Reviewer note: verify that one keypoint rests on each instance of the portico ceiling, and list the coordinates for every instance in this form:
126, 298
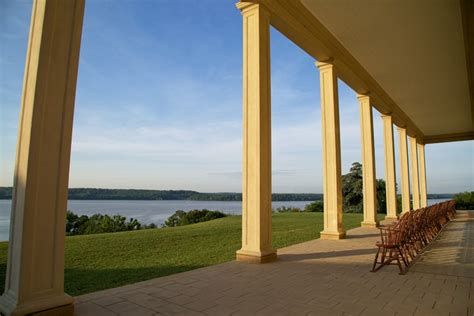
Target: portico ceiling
417, 51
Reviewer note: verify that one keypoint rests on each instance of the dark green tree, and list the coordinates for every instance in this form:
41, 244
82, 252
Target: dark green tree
464, 200
316, 206
352, 191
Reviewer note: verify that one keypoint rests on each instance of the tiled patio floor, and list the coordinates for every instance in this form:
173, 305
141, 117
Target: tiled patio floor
319, 277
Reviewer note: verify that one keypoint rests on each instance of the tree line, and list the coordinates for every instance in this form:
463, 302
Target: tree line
352, 192
137, 194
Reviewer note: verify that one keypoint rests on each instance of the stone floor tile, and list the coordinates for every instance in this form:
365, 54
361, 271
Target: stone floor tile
219, 310
200, 305
91, 309
147, 301
180, 299
108, 300
164, 293
173, 309
129, 308
430, 312
275, 310
377, 311
324, 312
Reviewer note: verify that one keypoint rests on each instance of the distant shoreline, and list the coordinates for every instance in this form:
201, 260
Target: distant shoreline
179, 195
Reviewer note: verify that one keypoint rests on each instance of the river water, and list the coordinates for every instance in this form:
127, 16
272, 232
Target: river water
146, 212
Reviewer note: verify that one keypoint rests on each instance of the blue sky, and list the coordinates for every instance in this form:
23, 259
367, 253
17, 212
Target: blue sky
159, 103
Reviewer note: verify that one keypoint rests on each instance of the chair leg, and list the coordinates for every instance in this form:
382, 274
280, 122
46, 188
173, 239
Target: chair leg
405, 261
398, 262
375, 261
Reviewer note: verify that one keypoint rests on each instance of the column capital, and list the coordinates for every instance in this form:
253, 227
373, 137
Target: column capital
249, 7
416, 139
363, 96
387, 119
328, 63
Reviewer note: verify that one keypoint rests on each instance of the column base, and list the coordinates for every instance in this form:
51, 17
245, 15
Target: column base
332, 235
256, 256
391, 218
52, 306
65, 310
369, 224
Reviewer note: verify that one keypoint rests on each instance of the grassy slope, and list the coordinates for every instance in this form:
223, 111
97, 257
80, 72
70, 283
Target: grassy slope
96, 262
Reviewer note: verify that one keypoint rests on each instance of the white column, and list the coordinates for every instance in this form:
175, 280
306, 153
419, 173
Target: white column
423, 191
404, 170
35, 268
257, 157
390, 178
368, 162
333, 228
415, 180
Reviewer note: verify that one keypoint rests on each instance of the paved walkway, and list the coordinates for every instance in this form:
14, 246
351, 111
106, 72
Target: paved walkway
319, 277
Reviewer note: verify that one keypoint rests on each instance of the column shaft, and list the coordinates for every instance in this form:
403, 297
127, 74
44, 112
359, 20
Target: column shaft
423, 191
415, 180
257, 181
368, 162
333, 228
35, 269
390, 178
404, 170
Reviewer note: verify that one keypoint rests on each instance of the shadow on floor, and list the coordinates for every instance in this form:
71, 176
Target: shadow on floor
376, 233
81, 281
330, 254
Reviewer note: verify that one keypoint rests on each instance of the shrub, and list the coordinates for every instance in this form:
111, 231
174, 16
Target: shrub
181, 218
464, 200
284, 209
354, 208
316, 206
98, 223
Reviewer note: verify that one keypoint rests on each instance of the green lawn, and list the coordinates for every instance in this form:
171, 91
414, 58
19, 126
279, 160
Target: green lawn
96, 262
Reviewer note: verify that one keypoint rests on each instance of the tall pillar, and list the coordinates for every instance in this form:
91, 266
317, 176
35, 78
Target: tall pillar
333, 228
404, 170
257, 157
369, 185
421, 157
415, 180
390, 179
35, 268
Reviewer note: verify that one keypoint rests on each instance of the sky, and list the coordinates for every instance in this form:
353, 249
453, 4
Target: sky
159, 103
